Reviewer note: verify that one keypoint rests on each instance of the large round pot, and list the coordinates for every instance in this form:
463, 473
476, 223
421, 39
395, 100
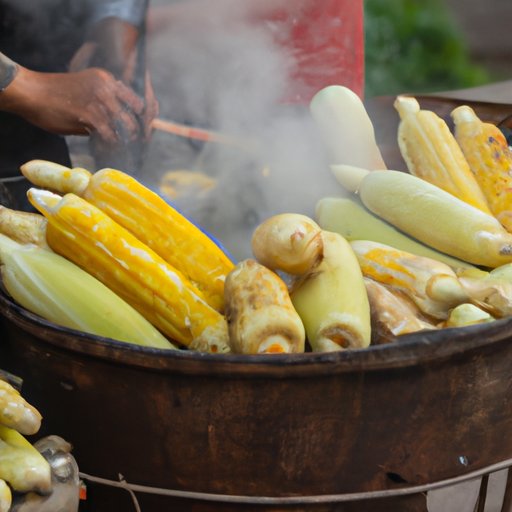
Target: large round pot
433, 406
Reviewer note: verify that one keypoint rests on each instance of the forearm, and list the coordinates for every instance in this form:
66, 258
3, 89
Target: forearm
116, 46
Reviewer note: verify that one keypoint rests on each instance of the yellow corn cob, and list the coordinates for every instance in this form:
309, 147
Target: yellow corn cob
5, 497
260, 314
16, 412
432, 153
56, 289
149, 218
22, 466
490, 160
432, 285
332, 301
87, 236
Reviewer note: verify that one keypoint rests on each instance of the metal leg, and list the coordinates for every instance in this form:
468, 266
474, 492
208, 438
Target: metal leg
482, 495
507, 497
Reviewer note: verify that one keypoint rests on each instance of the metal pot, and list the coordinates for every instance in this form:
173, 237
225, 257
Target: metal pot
298, 429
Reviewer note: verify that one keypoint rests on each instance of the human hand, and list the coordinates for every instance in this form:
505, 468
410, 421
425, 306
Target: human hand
90, 101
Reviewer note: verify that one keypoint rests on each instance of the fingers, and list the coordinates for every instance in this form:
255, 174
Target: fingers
128, 96
117, 119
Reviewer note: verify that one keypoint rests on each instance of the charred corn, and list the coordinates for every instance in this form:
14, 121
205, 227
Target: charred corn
353, 221
87, 236
260, 314
23, 227
431, 285
346, 128
432, 153
54, 288
288, 242
16, 412
392, 313
21, 465
331, 299
436, 218
5, 497
490, 160
148, 217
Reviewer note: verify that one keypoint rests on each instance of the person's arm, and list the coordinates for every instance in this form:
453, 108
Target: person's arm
91, 101
117, 28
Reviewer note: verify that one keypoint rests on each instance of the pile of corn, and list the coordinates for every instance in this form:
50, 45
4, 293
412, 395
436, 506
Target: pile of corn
23, 468
413, 251
434, 244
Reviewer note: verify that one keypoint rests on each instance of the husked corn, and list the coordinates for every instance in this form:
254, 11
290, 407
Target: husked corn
87, 236
432, 153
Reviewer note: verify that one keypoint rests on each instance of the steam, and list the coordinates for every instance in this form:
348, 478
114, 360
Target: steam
217, 69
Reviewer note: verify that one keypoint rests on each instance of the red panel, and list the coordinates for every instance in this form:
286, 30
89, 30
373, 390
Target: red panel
326, 38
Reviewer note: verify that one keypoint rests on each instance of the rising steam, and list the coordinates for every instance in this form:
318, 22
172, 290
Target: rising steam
218, 69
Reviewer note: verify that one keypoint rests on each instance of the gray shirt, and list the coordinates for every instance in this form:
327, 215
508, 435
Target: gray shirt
131, 11
8, 70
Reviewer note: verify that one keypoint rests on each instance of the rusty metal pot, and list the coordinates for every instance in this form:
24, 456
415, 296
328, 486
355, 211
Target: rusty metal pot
430, 407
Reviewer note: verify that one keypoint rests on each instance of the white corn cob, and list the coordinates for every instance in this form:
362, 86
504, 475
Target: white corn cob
332, 301
56, 289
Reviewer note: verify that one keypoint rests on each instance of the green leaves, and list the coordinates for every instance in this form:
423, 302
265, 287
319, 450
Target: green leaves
414, 46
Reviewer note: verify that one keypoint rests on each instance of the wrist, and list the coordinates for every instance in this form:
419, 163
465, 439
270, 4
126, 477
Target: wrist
15, 97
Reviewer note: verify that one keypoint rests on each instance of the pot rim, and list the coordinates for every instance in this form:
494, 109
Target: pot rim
412, 349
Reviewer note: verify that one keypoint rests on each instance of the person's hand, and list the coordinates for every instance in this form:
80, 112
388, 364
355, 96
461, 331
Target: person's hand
90, 101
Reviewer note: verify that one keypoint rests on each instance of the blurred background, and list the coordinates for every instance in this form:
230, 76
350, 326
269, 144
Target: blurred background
413, 45
223, 69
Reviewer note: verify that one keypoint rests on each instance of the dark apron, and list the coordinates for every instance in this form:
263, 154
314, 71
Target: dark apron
42, 36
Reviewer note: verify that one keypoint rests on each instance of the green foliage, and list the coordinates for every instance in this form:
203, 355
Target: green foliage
415, 46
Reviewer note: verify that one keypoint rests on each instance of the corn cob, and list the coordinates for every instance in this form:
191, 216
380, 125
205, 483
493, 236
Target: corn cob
260, 314
5, 497
332, 301
87, 236
489, 292
392, 313
346, 128
351, 220
490, 160
54, 288
23, 227
467, 314
436, 218
23, 467
288, 242
432, 153
56, 177
148, 217
431, 285
16, 412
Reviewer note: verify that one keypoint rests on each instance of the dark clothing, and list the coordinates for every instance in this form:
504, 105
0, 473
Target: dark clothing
43, 35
